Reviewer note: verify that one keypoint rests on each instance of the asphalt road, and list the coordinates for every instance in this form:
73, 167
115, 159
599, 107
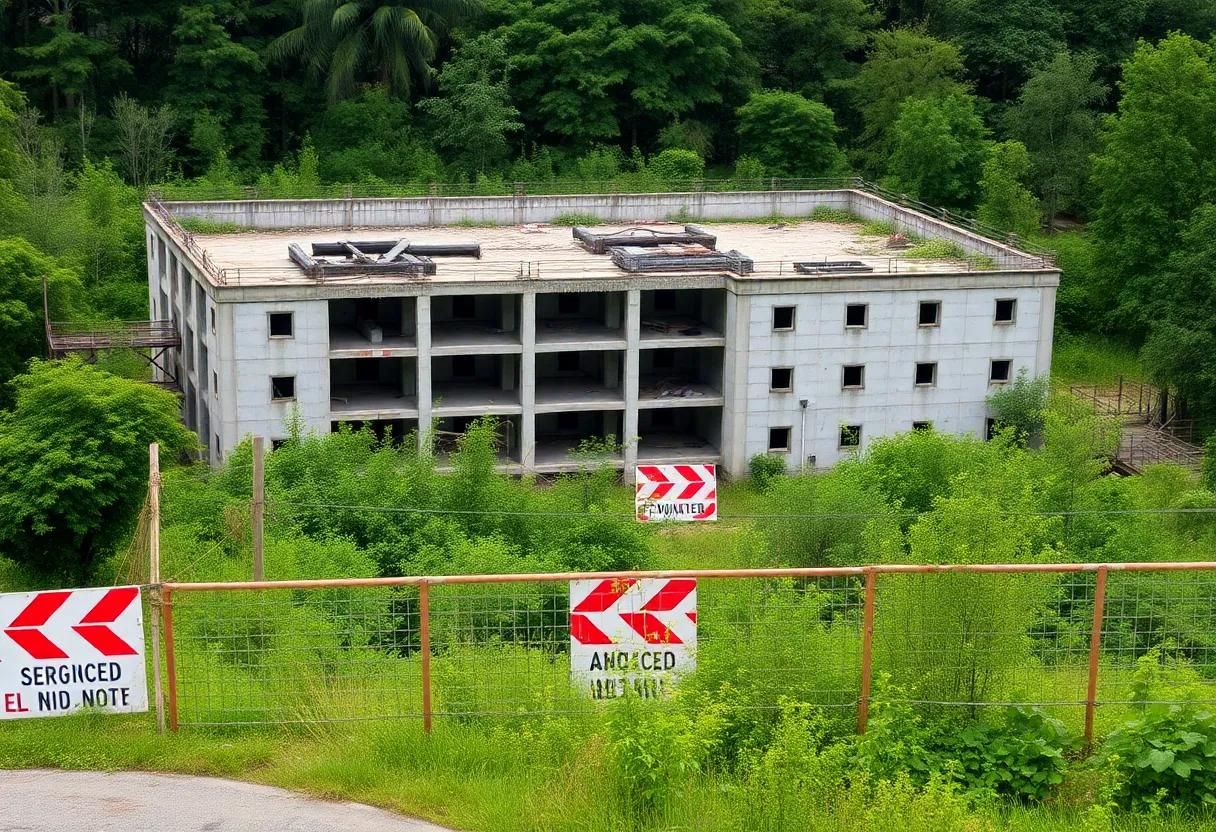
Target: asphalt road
86, 801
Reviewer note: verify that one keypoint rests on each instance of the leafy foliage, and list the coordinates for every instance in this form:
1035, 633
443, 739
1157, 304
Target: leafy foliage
764, 468
939, 148
789, 135
1005, 202
1021, 405
1023, 757
22, 335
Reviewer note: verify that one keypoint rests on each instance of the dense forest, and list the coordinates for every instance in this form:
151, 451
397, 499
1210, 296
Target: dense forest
1035, 116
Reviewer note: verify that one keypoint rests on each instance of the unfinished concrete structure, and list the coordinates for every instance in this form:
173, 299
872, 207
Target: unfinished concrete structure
817, 340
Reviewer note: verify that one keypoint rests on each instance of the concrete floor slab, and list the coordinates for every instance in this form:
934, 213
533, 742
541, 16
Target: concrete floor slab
586, 393
674, 391
348, 342
572, 336
131, 801
554, 455
676, 449
473, 400
449, 338
371, 401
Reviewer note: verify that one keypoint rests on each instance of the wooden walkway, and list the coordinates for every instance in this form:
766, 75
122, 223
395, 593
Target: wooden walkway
1153, 432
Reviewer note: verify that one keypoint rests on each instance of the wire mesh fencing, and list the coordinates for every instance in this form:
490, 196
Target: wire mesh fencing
494, 646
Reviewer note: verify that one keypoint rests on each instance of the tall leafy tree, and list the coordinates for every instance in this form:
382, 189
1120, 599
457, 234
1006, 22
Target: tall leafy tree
1104, 30
1001, 39
474, 113
939, 149
901, 64
74, 463
804, 45
789, 134
22, 335
392, 41
592, 71
1005, 201
1155, 168
64, 58
1055, 118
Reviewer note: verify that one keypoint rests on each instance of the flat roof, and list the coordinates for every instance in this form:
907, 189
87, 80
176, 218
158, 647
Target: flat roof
551, 252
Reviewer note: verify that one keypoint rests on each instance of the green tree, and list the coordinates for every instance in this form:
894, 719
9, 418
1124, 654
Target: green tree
1155, 167
789, 135
677, 165
65, 60
901, 64
1021, 406
1181, 343
372, 135
474, 114
1001, 39
805, 45
1105, 31
584, 71
1005, 202
211, 72
1055, 119
74, 463
22, 335
389, 40
939, 149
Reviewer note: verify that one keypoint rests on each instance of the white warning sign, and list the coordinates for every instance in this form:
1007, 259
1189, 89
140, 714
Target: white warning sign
632, 633
676, 492
65, 650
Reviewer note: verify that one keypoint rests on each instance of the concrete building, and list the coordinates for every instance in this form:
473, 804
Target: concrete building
561, 344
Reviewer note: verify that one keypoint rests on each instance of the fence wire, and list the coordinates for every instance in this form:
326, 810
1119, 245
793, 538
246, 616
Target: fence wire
332, 653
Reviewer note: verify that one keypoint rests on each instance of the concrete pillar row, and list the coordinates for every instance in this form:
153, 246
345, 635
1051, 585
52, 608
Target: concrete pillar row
633, 340
527, 380
423, 325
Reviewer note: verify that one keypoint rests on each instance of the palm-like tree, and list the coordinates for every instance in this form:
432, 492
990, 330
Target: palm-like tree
343, 39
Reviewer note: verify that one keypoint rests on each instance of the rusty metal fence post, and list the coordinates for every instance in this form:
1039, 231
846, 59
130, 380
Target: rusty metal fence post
1095, 649
171, 664
867, 645
424, 645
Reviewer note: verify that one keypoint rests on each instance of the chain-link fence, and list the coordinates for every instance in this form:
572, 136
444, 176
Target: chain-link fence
469, 646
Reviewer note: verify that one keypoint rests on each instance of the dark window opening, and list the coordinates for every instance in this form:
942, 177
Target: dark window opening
854, 376
567, 422
1005, 310
367, 369
778, 439
989, 428
1001, 368
855, 314
275, 444
282, 388
663, 359
850, 436
665, 300
567, 303
783, 317
922, 426
781, 378
926, 374
464, 306
930, 313
464, 366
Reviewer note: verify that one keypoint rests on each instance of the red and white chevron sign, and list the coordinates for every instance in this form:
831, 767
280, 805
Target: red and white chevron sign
632, 633
677, 492
69, 649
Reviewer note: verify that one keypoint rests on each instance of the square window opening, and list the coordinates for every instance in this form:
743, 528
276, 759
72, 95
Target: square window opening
665, 300
779, 440
1006, 310
850, 436
282, 388
568, 303
781, 379
464, 366
930, 313
853, 377
856, 315
1001, 369
275, 444
922, 426
212, 311
282, 324
783, 318
926, 374
464, 307
568, 362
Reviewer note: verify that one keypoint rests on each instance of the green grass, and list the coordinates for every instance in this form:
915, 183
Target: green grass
937, 249
576, 218
1093, 359
207, 225
469, 222
877, 228
516, 776
841, 216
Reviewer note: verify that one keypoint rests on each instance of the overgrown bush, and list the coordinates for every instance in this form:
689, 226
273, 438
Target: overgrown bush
1023, 757
764, 468
1021, 405
937, 249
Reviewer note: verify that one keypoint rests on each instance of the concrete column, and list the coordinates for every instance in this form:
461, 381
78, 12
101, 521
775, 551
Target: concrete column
506, 317
612, 310
612, 368
734, 385
506, 372
423, 325
633, 338
409, 377
409, 322
527, 380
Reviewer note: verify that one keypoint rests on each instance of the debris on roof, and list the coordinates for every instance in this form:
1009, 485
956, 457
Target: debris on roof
833, 267
642, 237
394, 257
680, 258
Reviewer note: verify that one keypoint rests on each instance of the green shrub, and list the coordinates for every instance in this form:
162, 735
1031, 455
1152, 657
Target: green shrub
576, 218
877, 228
765, 468
823, 213
677, 164
937, 249
209, 225
1022, 758
749, 169
1021, 405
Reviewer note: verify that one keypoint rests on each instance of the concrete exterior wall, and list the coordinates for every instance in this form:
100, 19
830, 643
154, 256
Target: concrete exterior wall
962, 346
